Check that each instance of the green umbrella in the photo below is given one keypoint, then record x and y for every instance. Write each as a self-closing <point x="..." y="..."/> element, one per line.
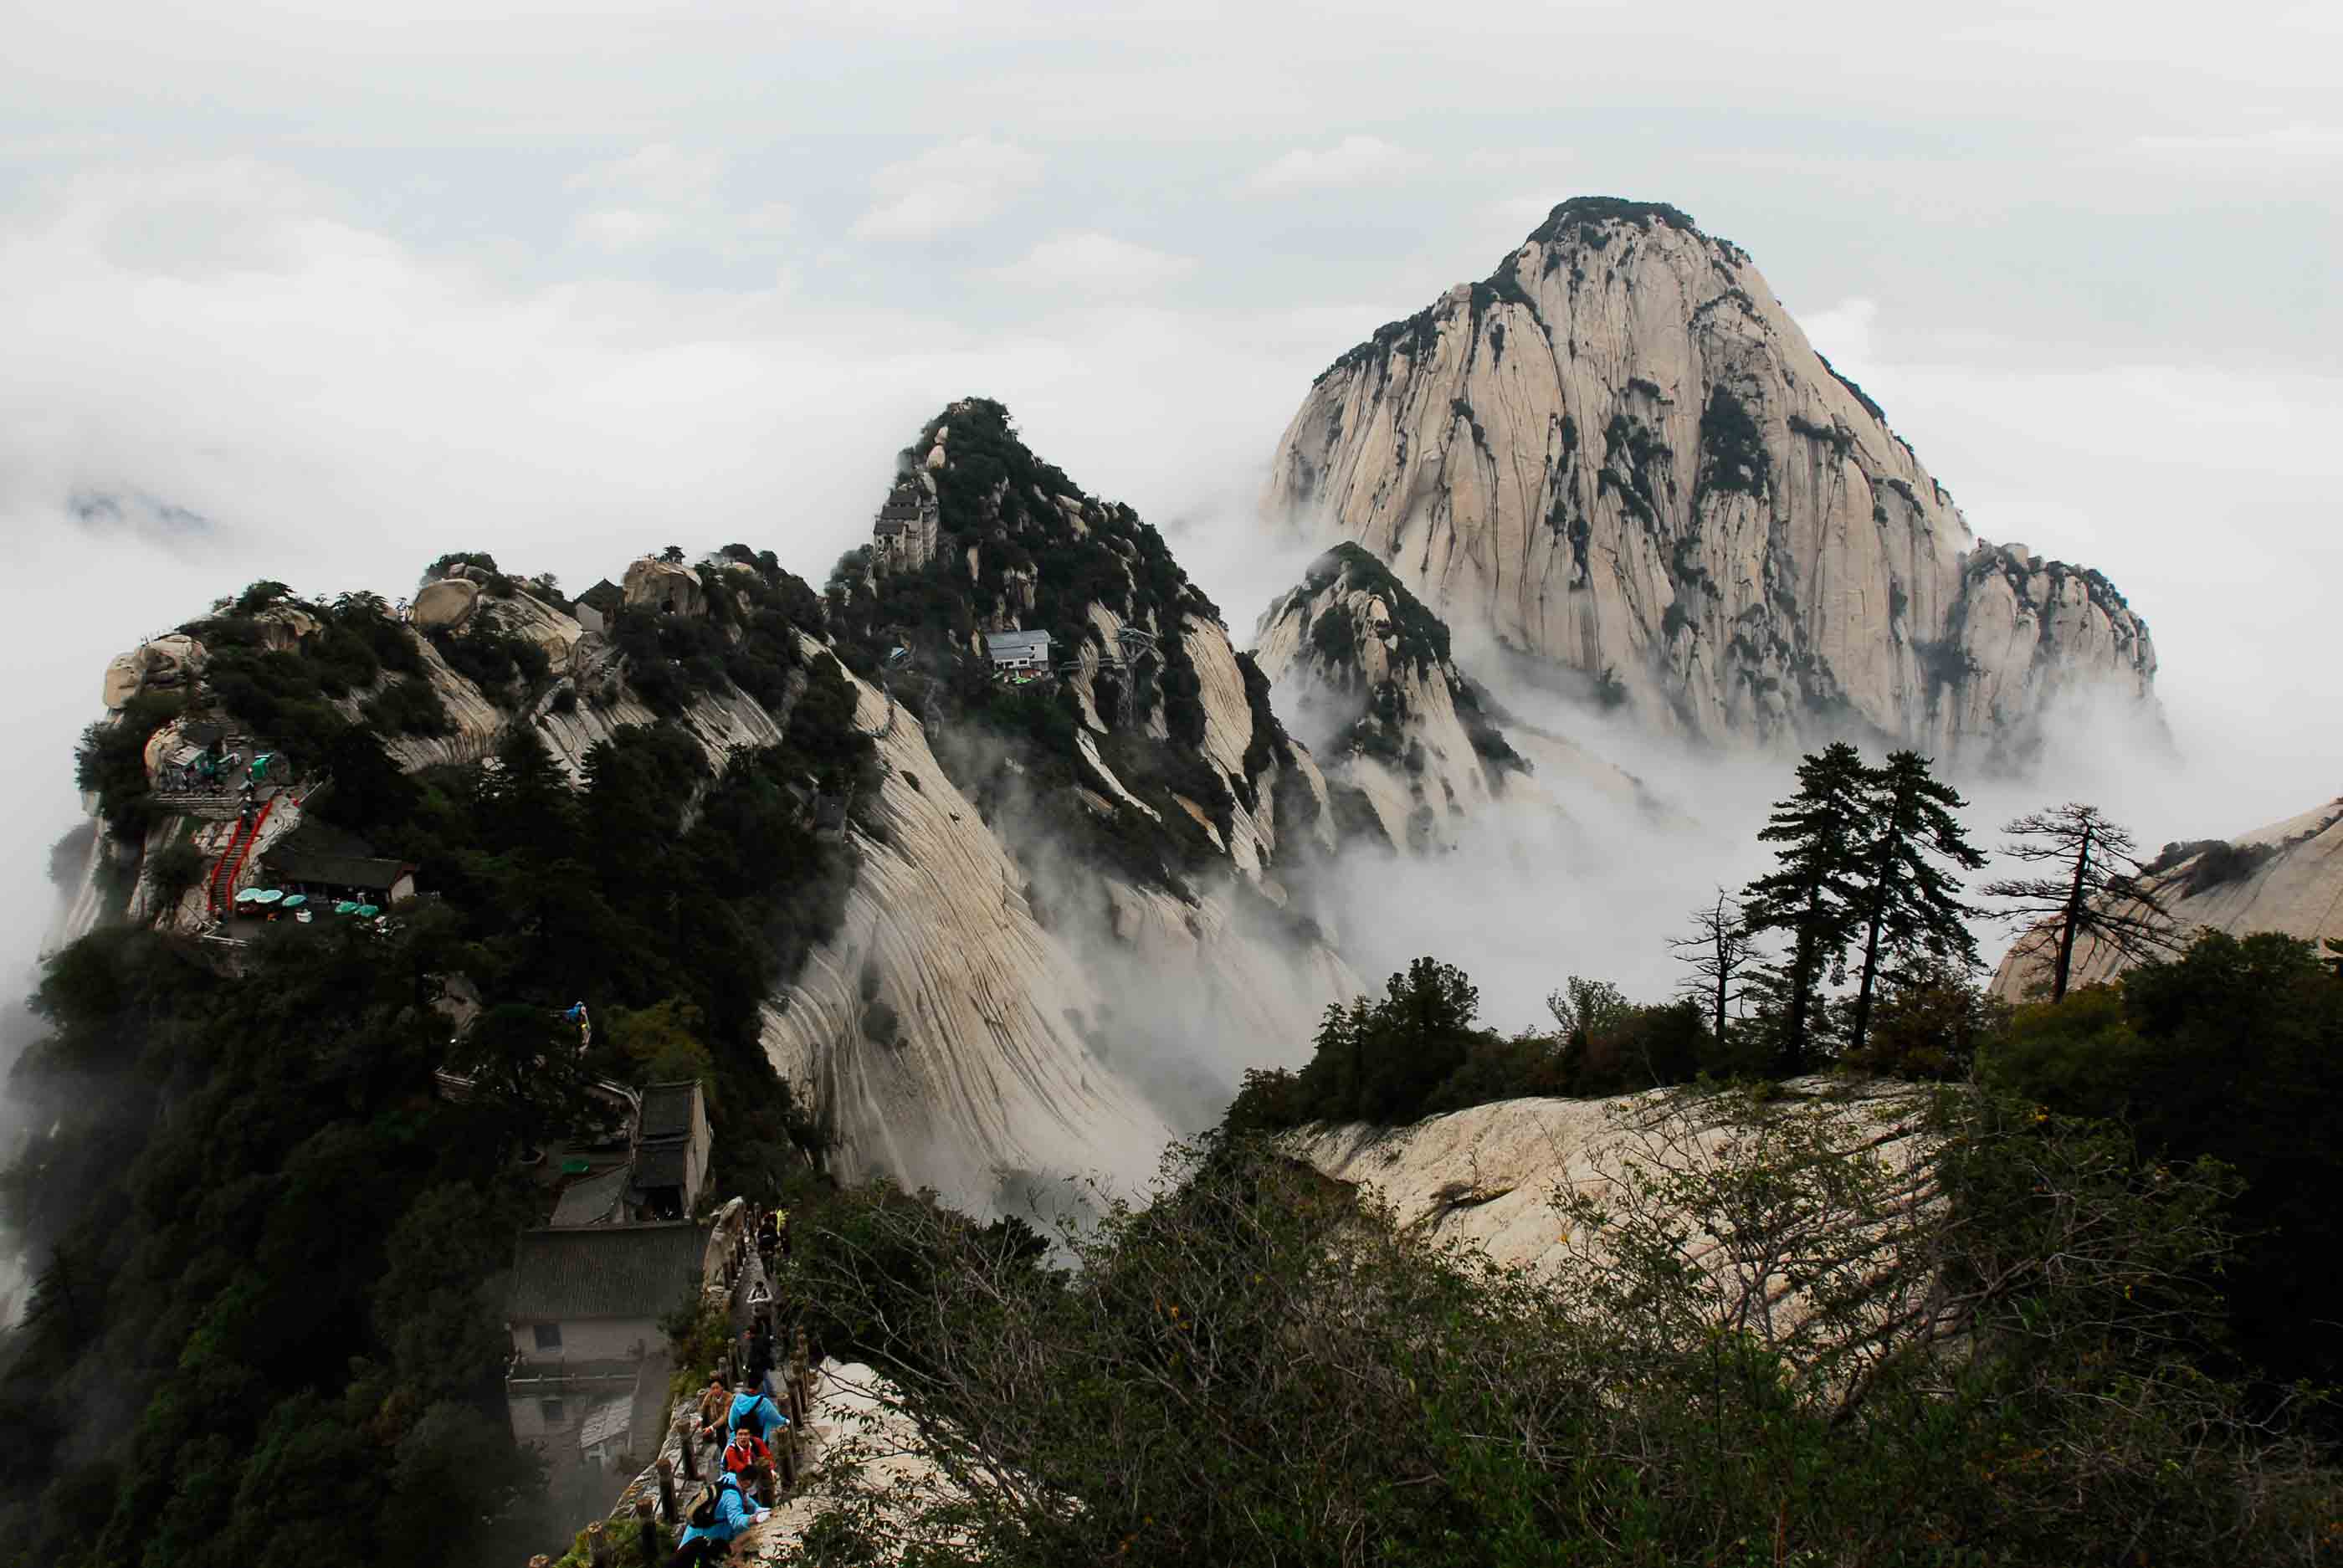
<point x="249" y="896"/>
<point x="367" y="912"/>
<point x="268" y="895"/>
<point x="347" y="907"/>
<point x="295" y="900"/>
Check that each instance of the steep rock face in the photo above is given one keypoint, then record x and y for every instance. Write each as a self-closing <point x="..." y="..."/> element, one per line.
<point x="2287" y="877"/>
<point x="1619" y="454"/>
<point x="1366" y="668"/>
<point x="964" y="1030"/>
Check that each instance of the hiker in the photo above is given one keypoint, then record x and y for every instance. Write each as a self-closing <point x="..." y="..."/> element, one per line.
<point x="753" y="1407"/>
<point x="746" y="1454"/>
<point x="717" y="1516"/>
<point x="713" y="1401"/>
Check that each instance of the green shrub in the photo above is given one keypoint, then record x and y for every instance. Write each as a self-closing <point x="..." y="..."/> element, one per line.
<point x="408" y="707"/>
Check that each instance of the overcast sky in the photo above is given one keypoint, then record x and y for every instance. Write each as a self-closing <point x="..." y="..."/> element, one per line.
<point x="319" y="292"/>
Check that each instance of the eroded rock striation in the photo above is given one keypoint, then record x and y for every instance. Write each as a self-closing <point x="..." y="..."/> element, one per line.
<point x="1618" y="454"/>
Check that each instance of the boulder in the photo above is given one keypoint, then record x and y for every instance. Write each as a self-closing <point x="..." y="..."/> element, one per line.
<point x="282" y="627"/>
<point x="448" y="602"/>
<point x="661" y="585"/>
<point x="123" y="678"/>
<point x="166" y="661"/>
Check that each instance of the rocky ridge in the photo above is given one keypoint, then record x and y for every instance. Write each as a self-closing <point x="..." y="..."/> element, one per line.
<point x="1618" y="454"/>
<point x="1367" y="671"/>
<point x="2285" y="877"/>
<point x="1052" y="887"/>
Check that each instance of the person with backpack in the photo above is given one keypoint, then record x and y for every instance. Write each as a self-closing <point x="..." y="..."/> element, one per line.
<point x="717" y="1515"/>
<point x="754" y="1409"/>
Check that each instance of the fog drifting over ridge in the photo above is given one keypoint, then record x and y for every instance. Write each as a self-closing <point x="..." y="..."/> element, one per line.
<point x="381" y="292"/>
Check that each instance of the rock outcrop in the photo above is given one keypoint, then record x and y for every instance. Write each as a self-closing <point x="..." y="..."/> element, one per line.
<point x="159" y="662"/>
<point x="1489" y="1176"/>
<point x="448" y="603"/>
<point x="1367" y="670"/>
<point x="1619" y="455"/>
<point x="2287" y="877"/>
<point x="666" y="588"/>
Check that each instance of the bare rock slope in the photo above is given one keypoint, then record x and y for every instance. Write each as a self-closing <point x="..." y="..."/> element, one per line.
<point x="2287" y="877"/>
<point x="1366" y="672"/>
<point x="1619" y="455"/>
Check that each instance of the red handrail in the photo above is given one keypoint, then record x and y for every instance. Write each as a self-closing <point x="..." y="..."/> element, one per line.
<point x="232" y="859"/>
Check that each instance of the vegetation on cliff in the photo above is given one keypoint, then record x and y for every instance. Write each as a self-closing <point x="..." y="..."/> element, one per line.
<point x="262" y="1331"/>
<point x="1258" y="1367"/>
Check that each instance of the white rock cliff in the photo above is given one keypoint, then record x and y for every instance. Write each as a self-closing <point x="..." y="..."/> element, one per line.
<point x="1619" y="455"/>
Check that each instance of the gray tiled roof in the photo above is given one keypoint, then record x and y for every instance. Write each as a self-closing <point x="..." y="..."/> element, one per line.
<point x="592" y="1200"/>
<point x="659" y="1165"/>
<point x="1000" y="643"/>
<point x="605" y="1271"/>
<point x="667" y="1110"/>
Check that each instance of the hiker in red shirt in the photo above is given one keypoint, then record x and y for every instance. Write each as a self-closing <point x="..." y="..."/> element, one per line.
<point x="745" y="1455"/>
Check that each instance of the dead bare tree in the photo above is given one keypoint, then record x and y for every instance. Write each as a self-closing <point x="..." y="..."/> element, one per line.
<point x="2099" y="890"/>
<point x="1718" y="949"/>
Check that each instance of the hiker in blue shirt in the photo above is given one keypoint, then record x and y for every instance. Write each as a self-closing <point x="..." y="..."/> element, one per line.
<point x="753" y="1407"/>
<point x="707" y="1543"/>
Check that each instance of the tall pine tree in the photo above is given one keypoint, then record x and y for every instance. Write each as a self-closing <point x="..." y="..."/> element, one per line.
<point x="1911" y="904"/>
<point x="1814" y="895"/>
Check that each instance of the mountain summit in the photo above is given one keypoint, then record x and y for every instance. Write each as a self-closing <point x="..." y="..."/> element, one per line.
<point x="1618" y="454"/>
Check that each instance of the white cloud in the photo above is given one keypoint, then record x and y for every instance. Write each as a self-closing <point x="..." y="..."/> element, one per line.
<point x="1352" y="161"/>
<point x="623" y="227"/>
<point x="665" y="195"/>
<point x="946" y="187"/>
<point x="1522" y="212"/>
<point x="1096" y="265"/>
<point x="2296" y="140"/>
<point x="660" y="171"/>
<point x="1521" y="160"/>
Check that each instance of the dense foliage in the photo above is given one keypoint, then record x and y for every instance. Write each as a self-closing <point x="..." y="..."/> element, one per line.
<point x="2233" y="1049"/>
<point x="1418" y="1050"/>
<point x="1257" y="1368"/>
<point x="259" y="1332"/>
<point x="256" y="1337"/>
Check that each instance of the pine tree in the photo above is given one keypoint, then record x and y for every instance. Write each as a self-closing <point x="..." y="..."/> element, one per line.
<point x="1912" y="904"/>
<point x="2098" y="891"/>
<point x="1812" y="895"/>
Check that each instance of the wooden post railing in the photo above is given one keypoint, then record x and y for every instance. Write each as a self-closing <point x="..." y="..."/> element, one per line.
<point x="648" y="1533"/>
<point x="666" y="1468"/>
<point x="598" y="1546"/>
<point x="688" y="1443"/>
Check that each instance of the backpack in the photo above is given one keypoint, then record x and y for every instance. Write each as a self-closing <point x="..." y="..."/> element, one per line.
<point x="701" y="1512"/>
